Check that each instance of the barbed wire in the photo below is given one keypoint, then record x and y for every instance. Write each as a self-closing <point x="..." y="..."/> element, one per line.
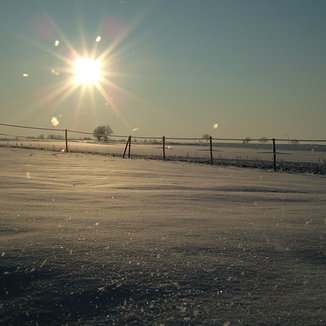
<point x="29" y="127"/>
<point x="246" y="140"/>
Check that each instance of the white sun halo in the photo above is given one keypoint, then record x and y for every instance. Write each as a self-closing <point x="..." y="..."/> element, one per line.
<point x="87" y="71"/>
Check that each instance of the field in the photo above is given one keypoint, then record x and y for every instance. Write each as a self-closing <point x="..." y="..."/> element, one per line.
<point x="99" y="240"/>
<point x="306" y="157"/>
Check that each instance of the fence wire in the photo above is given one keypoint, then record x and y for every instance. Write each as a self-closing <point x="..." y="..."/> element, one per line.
<point x="303" y="155"/>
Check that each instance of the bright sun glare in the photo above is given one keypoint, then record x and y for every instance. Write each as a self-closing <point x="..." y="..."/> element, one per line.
<point x="87" y="71"/>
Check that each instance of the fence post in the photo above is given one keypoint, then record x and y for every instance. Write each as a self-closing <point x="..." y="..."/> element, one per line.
<point x="163" y="147"/>
<point x="211" y="148"/>
<point x="66" y="138"/>
<point x="274" y="154"/>
<point x="129" y="147"/>
<point x="127" y="143"/>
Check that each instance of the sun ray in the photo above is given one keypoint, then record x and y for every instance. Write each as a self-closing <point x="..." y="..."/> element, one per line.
<point x="40" y="101"/>
<point x="93" y="103"/>
<point x="78" y="105"/>
<point x="47" y="50"/>
<point x="113" y="106"/>
<point x="107" y="98"/>
<point x="54" y="94"/>
<point x="71" y="48"/>
<point x="123" y="91"/>
<point x="82" y="34"/>
<point x="108" y="52"/>
<point x="118" y="75"/>
<point x="67" y="94"/>
<point x="96" y="44"/>
<point x="61" y="34"/>
<point x="46" y="96"/>
<point x="116" y="44"/>
<point x="84" y="71"/>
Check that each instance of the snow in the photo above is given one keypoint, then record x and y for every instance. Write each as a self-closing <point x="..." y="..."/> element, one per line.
<point x="99" y="240"/>
<point x="295" y="158"/>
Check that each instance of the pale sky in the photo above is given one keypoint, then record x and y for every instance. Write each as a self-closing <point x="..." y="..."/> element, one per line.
<point x="169" y="67"/>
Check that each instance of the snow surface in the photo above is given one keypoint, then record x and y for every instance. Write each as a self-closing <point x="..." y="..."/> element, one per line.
<point x="99" y="240"/>
<point x="243" y="152"/>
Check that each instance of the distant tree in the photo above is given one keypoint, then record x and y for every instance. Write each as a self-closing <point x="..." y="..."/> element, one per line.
<point x="41" y="136"/>
<point x="206" y="137"/>
<point x="263" y="140"/>
<point x="102" y="132"/>
<point x="59" y="137"/>
<point x="246" y="140"/>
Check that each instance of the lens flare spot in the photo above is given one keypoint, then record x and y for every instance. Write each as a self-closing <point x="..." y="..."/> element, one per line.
<point x="25" y="75"/>
<point x="56" y="43"/>
<point x="98" y="39"/>
<point x="54" y="72"/>
<point x="215" y="125"/>
<point x="54" y="121"/>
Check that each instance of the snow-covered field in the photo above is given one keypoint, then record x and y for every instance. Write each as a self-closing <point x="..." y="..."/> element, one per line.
<point x="307" y="159"/>
<point x="99" y="240"/>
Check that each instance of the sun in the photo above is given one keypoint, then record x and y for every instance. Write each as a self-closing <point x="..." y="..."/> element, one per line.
<point x="87" y="71"/>
<point x="88" y="75"/>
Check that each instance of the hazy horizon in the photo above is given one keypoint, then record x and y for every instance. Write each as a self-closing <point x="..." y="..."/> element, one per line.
<point x="176" y="68"/>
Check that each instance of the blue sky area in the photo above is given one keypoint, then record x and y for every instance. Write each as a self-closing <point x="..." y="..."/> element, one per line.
<point x="171" y="67"/>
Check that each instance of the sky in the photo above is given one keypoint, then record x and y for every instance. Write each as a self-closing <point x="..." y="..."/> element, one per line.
<point x="179" y="68"/>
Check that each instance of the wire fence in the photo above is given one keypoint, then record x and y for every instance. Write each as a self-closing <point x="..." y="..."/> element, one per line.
<point x="303" y="155"/>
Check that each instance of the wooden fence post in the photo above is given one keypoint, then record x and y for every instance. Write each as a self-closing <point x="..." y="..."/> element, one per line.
<point x="274" y="154"/>
<point x="127" y="144"/>
<point x="66" y="138"/>
<point x="211" y="148"/>
<point x="163" y="147"/>
<point x="129" y="147"/>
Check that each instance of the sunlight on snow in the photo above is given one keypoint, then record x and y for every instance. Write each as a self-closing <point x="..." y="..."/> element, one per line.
<point x="43" y="263"/>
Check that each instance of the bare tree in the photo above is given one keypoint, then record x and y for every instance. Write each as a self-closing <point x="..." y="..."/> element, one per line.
<point x="263" y="140"/>
<point x="102" y="132"/>
<point x="206" y="137"/>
